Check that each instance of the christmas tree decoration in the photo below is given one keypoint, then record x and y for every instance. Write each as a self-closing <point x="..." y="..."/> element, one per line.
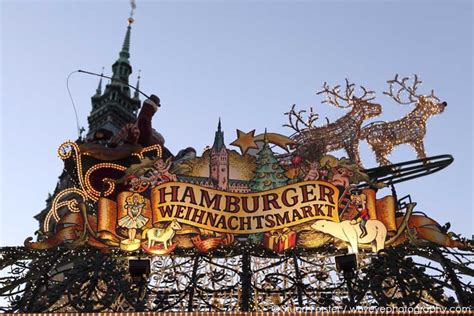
<point x="268" y="173"/>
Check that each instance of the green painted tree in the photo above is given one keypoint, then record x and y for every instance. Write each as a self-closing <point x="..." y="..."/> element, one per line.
<point x="268" y="173"/>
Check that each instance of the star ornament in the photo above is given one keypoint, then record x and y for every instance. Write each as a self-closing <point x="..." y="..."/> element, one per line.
<point x="245" y="141"/>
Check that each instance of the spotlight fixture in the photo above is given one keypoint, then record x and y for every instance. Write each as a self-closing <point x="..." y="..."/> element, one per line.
<point x="346" y="263"/>
<point x="139" y="269"/>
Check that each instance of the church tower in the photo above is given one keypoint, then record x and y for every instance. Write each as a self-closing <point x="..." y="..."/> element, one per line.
<point x="219" y="165"/>
<point x="111" y="110"/>
<point x="115" y="107"/>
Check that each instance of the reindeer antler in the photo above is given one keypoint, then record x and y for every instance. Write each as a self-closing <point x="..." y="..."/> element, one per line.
<point x="432" y="96"/>
<point x="367" y="95"/>
<point x="333" y="95"/>
<point x="404" y="86"/>
<point x="299" y="119"/>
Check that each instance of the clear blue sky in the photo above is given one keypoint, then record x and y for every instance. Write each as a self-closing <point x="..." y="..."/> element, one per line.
<point x="244" y="61"/>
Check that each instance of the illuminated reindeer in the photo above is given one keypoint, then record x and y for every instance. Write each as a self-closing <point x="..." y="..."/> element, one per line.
<point x="411" y="129"/>
<point x="315" y="141"/>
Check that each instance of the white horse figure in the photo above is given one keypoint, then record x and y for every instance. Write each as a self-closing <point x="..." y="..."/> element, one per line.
<point x="376" y="233"/>
<point x="163" y="235"/>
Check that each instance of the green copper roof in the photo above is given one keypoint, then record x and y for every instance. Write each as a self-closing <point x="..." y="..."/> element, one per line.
<point x="122" y="69"/>
<point x="125" y="52"/>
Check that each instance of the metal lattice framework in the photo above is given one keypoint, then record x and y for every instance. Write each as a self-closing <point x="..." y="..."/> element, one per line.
<point x="79" y="280"/>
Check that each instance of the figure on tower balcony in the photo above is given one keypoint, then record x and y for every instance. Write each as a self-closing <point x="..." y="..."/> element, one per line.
<point x="141" y="132"/>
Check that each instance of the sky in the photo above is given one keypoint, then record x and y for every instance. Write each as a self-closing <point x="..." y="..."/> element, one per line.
<point x="246" y="62"/>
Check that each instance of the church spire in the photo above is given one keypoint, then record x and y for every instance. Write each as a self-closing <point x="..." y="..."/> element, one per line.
<point x="136" y="94"/>
<point x="122" y="69"/>
<point x="219" y="161"/>
<point x="125" y="52"/>
<point x="116" y="105"/>
<point x="219" y="138"/>
<point x="98" y="91"/>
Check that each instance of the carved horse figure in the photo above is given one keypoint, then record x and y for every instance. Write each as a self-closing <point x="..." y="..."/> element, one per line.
<point x="163" y="235"/>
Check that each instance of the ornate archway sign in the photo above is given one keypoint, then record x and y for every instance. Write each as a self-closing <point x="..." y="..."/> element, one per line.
<point x="248" y="230"/>
<point x="145" y="198"/>
<point x="232" y="213"/>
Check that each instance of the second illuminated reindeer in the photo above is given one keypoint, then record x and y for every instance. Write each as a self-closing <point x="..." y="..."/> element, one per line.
<point x="410" y="129"/>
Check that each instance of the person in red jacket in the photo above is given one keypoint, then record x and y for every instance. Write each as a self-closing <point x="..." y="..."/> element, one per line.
<point x="141" y="132"/>
<point x="359" y="201"/>
<point x="148" y="135"/>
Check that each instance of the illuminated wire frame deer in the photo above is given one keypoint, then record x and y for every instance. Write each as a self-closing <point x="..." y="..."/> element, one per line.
<point x="411" y="129"/>
<point x="344" y="133"/>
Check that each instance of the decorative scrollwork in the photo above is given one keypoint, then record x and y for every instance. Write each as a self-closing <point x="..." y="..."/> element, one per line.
<point x="109" y="183"/>
<point x="67" y="148"/>
<point x="65" y="151"/>
<point x="72" y="205"/>
<point x="157" y="148"/>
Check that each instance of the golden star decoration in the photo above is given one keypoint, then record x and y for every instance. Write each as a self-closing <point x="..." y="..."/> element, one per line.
<point x="245" y="141"/>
